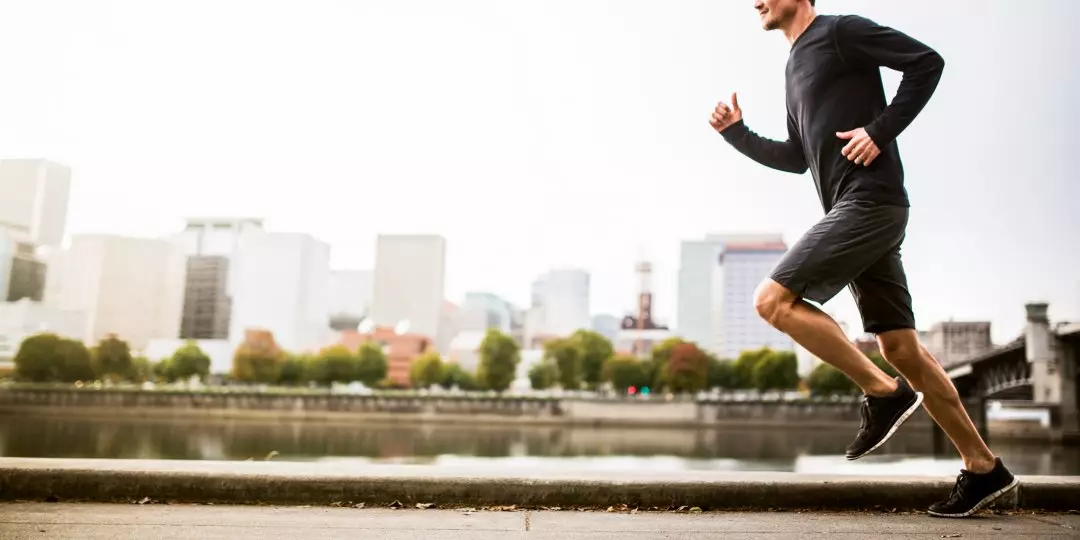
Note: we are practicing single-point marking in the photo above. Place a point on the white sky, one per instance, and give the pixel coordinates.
(540, 133)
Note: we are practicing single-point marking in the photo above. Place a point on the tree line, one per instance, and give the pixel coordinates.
(585, 360)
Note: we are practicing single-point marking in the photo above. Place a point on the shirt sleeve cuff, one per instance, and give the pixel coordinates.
(734, 132)
(877, 134)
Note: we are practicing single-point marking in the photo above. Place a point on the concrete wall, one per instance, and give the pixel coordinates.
(444, 409)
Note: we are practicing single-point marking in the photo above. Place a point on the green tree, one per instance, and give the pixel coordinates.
(258, 359)
(38, 359)
(316, 370)
(745, 364)
(687, 368)
(826, 380)
(777, 371)
(50, 358)
(427, 370)
(722, 374)
(543, 375)
(594, 350)
(566, 356)
(293, 370)
(77, 365)
(624, 371)
(657, 367)
(187, 362)
(141, 370)
(455, 375)
(161, 371)
(499, 357)
(337, 364)
(371, 365)
(111, 359)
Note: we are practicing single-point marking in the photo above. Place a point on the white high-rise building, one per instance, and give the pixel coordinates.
(217, 236)
(131, 287)
(410, 274)
(699, 259)
(737, 327)
(482, 311)
(351, 292)
(34, 200)
(283, 285)
(560, 304)
(717, 279)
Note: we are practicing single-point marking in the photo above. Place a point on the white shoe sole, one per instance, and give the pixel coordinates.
(986, 500)
(903, 418)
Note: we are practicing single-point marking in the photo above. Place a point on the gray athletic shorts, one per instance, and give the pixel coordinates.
(856, 244)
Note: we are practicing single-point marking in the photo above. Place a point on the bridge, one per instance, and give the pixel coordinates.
(1042, 368)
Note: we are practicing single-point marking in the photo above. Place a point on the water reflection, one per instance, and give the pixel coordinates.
(766, 449)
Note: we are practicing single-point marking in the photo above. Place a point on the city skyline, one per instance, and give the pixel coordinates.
(598, 127)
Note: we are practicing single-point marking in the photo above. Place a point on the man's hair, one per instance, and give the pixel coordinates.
(812, 2)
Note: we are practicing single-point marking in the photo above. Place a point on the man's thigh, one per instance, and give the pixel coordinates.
(882, 294)
(847, 243)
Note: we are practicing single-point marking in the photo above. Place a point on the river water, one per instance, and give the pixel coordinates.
(512, 447)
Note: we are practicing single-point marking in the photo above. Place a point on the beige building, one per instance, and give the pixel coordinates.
(131, 287)
(410, 274)
(951, 342)
(35, 200)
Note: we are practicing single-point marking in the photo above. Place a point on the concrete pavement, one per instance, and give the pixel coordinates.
(44, 521)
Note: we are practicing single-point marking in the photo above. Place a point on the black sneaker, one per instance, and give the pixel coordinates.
(974, 491)
(881, 417)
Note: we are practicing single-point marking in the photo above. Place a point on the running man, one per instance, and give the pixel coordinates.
(841, 129)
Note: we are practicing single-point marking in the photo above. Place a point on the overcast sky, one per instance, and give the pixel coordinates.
(540, 133)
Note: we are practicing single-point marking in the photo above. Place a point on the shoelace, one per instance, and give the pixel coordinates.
(864, 412)
(958, 490)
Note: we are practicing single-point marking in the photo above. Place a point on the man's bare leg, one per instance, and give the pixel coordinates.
(819, 334)
(903, 350)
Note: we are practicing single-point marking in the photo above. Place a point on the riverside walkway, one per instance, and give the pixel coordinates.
(174, 522)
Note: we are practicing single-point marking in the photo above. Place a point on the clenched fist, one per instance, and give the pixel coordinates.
(723, 116)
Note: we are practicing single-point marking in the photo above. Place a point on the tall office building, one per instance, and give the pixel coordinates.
(34, 203)
(410, 278)
(283, 285)
(560, 304)
(703, 286)
(482, 311)
(33, 214)
(131, 287)
(737, 327)
(22, 273)
(351, 293)
(695, 299)
(217, 236)
(207, 305)
(211, 245)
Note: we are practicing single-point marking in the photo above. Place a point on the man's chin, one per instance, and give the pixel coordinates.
(769, 24)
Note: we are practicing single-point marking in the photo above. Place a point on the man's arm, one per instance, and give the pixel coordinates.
(866, 44)
(783, 155)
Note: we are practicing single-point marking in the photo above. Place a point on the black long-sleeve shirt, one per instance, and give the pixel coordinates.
(834, 85)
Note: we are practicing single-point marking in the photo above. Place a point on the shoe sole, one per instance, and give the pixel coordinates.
(896, 425)
(986, 500)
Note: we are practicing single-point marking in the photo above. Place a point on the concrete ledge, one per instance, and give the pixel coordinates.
(325, 483)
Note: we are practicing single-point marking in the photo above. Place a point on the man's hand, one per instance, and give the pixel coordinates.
(860, 147)
(723, 116)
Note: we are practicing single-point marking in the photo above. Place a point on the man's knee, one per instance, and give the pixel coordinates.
(900, 347)
(773, 302)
